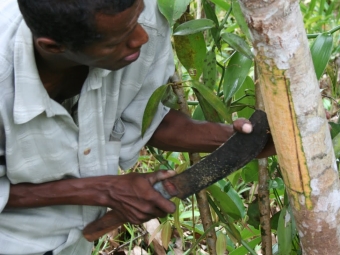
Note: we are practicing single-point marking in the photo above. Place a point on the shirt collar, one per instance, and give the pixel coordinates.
(31, 97)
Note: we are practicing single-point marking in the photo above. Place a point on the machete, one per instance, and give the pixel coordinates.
(235, 153)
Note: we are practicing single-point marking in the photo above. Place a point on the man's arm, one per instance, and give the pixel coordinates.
(131, 196)
(178, 132)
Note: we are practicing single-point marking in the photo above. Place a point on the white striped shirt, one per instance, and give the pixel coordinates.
(42, 142)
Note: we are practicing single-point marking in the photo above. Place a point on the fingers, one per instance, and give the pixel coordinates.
(243, 126)
(160, 176)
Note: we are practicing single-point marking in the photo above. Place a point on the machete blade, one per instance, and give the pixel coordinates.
(235, 153)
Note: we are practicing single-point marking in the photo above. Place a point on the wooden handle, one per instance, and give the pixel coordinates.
(100, 227)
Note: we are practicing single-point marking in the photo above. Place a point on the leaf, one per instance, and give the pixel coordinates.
(284, 232)
(170, 99)
(198, 113)
(321, 51)
(238, 44)
(194, 26)
(166, 234)
(221, 244)
(247, 86)
(212, 99)
(176, 214)
(241, 21)
(211, 14)
(209, 69)
(152, 106)
(221, 3)
(208, 110)
(235, 74)
(226, 202)
(335, 129)
(172, 10)
(276, 183)
(153, 227)
(254, 214)
(191, 51)
(336, 145)
(250, 172)
(274, 221)
(243, 251)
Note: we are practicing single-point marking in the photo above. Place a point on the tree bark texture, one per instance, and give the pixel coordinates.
(263, 190)
(297, 120)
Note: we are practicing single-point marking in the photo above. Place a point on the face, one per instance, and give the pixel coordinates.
(122, 39)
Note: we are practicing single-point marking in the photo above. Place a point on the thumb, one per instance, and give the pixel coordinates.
(160, 175)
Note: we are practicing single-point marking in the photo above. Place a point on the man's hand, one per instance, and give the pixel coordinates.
(131, 197)
(178, 132)
(134, 199)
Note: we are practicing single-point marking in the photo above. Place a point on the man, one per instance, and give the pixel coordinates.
(75, 78)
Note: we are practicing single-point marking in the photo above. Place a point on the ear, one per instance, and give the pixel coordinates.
(49, 45)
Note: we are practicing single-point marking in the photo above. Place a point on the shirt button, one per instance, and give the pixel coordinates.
(87, 151)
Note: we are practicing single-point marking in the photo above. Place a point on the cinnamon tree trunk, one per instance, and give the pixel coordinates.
(297, 120)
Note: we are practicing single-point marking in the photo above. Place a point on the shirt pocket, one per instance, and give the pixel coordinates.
(112, 147)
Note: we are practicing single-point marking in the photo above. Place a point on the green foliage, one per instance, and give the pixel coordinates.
(215, 61)
(321, 51)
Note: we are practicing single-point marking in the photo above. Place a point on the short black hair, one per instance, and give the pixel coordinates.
(68, 22)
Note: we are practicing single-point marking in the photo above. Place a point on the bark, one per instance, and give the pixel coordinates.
(297, 120)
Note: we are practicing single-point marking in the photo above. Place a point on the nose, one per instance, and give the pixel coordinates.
(138, 37)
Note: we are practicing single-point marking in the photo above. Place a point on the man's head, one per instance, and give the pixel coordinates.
(68, 22)
(95, 33)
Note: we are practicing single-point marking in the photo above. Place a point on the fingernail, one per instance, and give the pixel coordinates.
(247, 128)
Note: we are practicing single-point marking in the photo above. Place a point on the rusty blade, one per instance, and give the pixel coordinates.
(235, 153)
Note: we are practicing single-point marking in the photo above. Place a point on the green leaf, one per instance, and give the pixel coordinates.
(152, 106)
(335, 129)
(235, 74)
(284, 232)
(172, 10)
(198, 113)
(245, 96)
(191, 51)
(194, 26)
(276, 183)
(230, 203)
(250, 172)
(170, 99)
(321, 51)
(212, 99)
(274, 221)
(254, 214)
(209, 69)
(211, 14)
(243, 251)
(238, 44)
(336, 145)
(221, 3)
(166, 234)
(209, 112)
(221, 244)
(241, 21)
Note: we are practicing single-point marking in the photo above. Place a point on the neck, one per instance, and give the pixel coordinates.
(61, 78)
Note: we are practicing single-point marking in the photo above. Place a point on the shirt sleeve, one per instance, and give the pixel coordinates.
(158, 74)
(4, 182)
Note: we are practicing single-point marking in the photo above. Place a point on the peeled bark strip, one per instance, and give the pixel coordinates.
(297, 120)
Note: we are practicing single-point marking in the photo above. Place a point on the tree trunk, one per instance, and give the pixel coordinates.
(297, 120)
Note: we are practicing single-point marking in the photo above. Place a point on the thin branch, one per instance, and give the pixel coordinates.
(263, 190)
(201, 197)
